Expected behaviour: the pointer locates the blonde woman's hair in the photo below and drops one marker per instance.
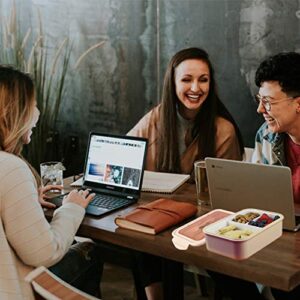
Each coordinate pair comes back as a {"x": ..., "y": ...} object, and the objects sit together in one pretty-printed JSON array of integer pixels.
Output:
[{"x": 17, "y": 103}]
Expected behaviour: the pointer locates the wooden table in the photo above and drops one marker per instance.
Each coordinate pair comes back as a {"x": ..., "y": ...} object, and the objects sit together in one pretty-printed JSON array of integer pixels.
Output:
[{"x": 277, "y": 265}]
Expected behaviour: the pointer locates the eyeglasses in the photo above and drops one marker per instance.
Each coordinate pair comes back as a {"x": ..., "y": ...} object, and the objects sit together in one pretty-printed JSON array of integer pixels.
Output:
[{"x": 267, "y": 101}]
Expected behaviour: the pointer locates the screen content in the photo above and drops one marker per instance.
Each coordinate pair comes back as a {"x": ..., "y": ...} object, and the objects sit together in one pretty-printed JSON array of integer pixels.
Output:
[{"x": 115, "y": 161}]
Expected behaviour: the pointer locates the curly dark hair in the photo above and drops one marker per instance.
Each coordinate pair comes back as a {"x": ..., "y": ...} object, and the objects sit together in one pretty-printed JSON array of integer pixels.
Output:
[{"x": 284, "y": 68}]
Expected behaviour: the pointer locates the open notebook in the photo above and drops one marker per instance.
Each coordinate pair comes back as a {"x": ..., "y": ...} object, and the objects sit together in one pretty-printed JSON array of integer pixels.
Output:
[
  {"x": 157, "y": 182},
  {"x": 163, "y": 182}
]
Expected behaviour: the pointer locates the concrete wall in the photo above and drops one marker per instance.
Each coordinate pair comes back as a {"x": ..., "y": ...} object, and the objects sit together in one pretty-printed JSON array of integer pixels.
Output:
[{"x": 119, "y": 82}]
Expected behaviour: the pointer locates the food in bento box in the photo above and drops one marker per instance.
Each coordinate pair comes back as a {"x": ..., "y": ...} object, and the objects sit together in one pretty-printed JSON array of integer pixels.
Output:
[
  {"x": 246, "y": 217},
  {"x": 264, "y": 220},
  {"x": 231, "y": 231}
]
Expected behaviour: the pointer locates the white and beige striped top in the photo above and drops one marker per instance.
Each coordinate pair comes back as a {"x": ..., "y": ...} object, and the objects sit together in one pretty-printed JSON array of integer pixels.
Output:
[{"x": 27, "y": 240}]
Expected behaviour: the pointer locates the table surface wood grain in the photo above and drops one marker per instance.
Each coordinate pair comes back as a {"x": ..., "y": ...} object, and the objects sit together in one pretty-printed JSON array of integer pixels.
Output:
[{"x": 277, "y": 265}]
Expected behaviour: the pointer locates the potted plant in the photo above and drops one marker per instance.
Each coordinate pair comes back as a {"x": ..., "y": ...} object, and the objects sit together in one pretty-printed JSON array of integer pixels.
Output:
[{"x": 29, "y": 53}]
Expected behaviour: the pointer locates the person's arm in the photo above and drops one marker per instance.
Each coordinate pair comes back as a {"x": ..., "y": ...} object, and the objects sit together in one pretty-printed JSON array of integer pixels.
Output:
[
  {"x": 35, "y": 241},
  {"x": 227, "y": 144}
]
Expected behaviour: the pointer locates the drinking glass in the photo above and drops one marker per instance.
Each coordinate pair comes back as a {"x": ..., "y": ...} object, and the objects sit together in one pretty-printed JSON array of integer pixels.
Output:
[
  {"x": 52, "y": 173},
  {"x": 201, "y": 183}
]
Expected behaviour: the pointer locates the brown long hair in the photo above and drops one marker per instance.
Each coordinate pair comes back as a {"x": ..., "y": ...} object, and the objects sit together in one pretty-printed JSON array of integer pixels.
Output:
[
  {"x": 17, "y": 102},
  {"x": 204, "y": 125}
]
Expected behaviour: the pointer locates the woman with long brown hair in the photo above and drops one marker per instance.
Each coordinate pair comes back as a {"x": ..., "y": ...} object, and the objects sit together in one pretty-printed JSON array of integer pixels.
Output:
[
  {"x": 189, "y": 124},
  {"x": 27, "y": 240}
]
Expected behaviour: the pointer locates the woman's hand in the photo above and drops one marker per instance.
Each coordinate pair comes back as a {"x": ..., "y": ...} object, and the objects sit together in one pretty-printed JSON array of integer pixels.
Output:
[
  {"x": 43, "y": 197},
  {"x": 82, "y": 198}
]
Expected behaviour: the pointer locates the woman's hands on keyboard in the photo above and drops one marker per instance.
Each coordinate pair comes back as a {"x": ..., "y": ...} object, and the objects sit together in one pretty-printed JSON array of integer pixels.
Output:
[{"x": 82, "y": 198}]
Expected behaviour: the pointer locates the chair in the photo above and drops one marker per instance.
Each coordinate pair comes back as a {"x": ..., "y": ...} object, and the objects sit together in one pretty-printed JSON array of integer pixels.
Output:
[{"x": 47, "y": 286}]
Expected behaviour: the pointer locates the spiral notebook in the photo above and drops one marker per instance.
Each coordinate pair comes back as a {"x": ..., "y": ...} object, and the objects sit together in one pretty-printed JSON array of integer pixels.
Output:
[{"x": 157, "y": 182}]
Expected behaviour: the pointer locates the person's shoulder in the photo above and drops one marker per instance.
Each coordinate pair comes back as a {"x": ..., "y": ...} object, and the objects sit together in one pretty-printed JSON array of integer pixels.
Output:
[
  {"x": 146, "y": 123},
  {"x": 154, "y": 113},
  {"x": 13, "y": 167},
  {"x": 224, "y": 125},
  {"x": 10, "y": 160}
]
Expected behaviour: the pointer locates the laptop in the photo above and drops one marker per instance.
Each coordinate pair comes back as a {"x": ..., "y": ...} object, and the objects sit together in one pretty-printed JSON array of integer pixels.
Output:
[
  {"x": 235, "y": 185},
  {"x": 113, "y": 169}
]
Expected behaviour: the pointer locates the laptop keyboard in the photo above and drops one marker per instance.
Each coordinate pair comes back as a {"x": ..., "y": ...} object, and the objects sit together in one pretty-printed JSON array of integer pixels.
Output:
[{"x": 109, "y": 202}]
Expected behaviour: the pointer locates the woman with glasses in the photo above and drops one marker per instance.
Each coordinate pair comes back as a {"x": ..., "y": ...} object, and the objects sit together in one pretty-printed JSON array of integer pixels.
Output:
[
  {"x": 277, "y": 142},
  {"x": 189, "y": 124},
  {"x": 27, "y": 239}
]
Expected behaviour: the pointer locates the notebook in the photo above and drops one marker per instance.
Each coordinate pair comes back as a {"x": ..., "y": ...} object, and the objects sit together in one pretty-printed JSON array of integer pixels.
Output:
[
  {"x": 156, "y": 182},
  {"x": 159, "y": 182},
  {"x": 113, "y": 169},
  {"x": 235, "y": 185}
]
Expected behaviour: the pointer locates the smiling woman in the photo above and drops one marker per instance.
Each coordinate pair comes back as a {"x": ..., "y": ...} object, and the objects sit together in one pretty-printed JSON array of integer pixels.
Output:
[
  {"x": 190, "y": 124},
  {"x": 277, "y": 142},
  {"x": 192, "y": 86}
]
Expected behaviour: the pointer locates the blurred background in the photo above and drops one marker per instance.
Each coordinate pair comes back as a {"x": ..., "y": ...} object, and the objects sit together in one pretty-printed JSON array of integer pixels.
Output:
[{"x": 117, "y": 82}]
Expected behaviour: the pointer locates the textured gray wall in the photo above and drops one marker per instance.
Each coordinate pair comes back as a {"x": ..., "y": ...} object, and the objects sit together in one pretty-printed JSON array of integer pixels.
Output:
[{"x": 121, "y": 81}]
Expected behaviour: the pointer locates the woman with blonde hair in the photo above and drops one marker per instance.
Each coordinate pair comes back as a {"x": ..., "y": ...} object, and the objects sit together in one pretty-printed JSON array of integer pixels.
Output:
[{"x": 27, "y": 240}]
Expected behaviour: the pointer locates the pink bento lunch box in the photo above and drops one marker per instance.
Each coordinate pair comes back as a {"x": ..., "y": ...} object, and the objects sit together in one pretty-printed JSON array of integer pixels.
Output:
[{"x": 242, "y": 248}]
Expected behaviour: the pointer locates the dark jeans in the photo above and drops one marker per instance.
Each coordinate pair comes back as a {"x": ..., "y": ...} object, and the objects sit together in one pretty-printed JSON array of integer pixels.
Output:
[
  {"x": 292, "y": 295},
  {"x": 235, "y": 288},
  {"x": 238, "y": 289},
  {"x": 149, "y": 269},
  {"x": 81, "y": 267}
]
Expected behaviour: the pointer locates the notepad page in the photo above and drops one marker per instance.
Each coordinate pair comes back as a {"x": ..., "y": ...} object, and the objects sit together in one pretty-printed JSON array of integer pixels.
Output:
[{"x": 163, "y": 182}]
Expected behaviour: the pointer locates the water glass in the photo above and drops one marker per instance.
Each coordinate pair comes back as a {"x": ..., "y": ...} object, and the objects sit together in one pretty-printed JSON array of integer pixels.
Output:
[
  {"x": 52, "y": 173},
  {"x": 201, "y": 183}
]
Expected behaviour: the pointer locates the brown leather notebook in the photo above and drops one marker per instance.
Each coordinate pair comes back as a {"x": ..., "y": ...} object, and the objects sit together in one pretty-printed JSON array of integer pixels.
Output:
[{"x": 156, "y": 216}]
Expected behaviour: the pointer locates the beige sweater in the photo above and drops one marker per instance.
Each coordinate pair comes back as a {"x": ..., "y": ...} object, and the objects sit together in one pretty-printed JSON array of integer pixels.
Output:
[
  {"x": 227, "y": 145},
  {"x": 27, "y": 240}
]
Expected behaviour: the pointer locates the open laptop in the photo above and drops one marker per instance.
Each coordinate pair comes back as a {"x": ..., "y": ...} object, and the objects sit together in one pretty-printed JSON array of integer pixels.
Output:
[
  {"x": 113, "y": 169},
  {"x": 235, "y": 185}
]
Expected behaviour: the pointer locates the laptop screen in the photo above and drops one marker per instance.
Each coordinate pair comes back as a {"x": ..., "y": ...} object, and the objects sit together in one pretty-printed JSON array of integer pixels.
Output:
[{"x": 115, "y": 162}]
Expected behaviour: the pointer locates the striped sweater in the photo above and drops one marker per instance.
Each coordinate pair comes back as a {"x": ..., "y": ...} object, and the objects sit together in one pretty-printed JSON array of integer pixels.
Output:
[{"x": 27, "y": 240}]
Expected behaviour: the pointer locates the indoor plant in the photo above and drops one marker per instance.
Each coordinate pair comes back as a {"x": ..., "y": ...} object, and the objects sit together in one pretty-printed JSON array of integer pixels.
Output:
[{"x": 28, "y": 52}]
